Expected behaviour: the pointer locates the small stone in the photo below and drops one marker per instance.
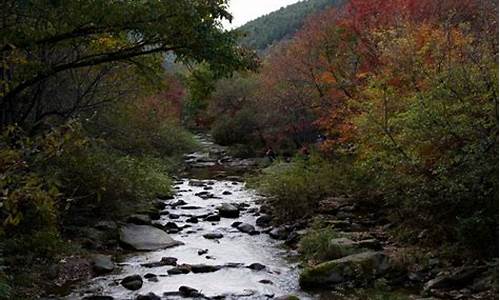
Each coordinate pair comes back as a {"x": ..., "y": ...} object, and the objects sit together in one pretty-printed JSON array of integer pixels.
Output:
[
  {"x": 212, "y": 218},
  {"x": 256, "y": 267},
  {"x": 202, "y": 251},
  {"x": 149, "y": 296},
  {"x": 227, "y": 210},
  {"x": 236, "y": 224},
  {"x": 186, "y": 291},
  {"x": 213, "y": 235},
  {"x": 266, "y": 281},
  {"x": 181, "y": 269},
  {"x": 200, "y": 268},
  {"x": 246, "y": 228},
  {"x": 193, "y": 220}
]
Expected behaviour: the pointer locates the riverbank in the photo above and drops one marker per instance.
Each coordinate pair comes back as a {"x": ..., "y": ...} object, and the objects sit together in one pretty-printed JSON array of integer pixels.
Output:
[{"x": 221, "y": 240}]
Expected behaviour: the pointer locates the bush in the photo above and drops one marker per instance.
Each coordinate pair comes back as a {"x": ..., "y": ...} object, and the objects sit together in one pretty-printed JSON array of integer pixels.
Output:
[
  {"x": 296, "y": 187},
  {"x": 316, "y": 245},
  {"x": 132, "y": 130},
  {"x": 238, "y": 129},
  {"x": 109, "y": 181}
]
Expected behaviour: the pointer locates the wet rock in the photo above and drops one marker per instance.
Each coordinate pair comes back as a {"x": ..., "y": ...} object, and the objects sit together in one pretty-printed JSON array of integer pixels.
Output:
[
  {"x": 98, "y": 297},
  {"x": 213, "y": 235},
  {"x": 188, "y": 292},
  {"x": 149, "y": 296},
  {"x": 360, "y": 267},
  {"x": 190, "y": 207},
  {"x": 459, "y": 278},
  {"x": 151, "y": 277},
  {"x": 197, "y": 183},
  {"x": 171, "y": 225},
  {"x": 246, "y": 228},
  {"x": 266, "y": 281},
  {"x": 227, "y": 193},
  {"x": 233, "y": 265},
  {"x": 174, "y": 216},
  {"x": 264, "y": 221},
  {"x": 227, "y": 210},
  {"x": 256, "y": 267},
  {"x": 202, "y": 251},
  {"x": 204, "y": 195},
  {"x": 133, "y": 282},
  {"x": 165, "y": 261},
  {"x": 139, "y": 219},
  {"x": 178, "y": 203},
  {"x": 180, "y": 269},
  {"x": 279, "y": 233},
  {"x": 193, "y": 220},
  {"x": 145, "y": 238},
  {"x": 208, "y": 188},
  {"x": 212, "y": 218},
  {"x": 102, "y": 264},
  {"x": 236, "y": 224},
  {"x": 201, "y": 268}
]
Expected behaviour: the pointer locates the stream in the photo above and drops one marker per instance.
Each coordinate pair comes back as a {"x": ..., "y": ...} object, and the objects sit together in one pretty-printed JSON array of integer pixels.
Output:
[{"x": 204, "y": 187}]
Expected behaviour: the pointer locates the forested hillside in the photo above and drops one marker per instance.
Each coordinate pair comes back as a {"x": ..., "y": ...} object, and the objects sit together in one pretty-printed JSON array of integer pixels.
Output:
[
  {"x": 364, "y": 142},
  {"x": 280, "y": 24}
]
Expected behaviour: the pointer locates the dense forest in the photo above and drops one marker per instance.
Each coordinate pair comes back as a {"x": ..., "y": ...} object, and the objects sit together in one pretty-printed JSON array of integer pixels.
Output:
[
  {"x": 386, "y": 109},
  {"x": 278, "y": 25}
]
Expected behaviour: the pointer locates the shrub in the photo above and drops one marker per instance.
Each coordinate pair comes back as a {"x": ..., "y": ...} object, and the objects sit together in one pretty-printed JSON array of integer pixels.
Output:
[
  {"x": 109, "y": 181},
  {"x": 238, "y": 129},
  {"x": 316, "y": 245},
  {"x": 296, "y": 188}
]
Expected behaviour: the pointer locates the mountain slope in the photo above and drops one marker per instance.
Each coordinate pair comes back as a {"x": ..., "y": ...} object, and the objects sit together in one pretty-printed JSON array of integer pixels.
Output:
[{"x": 280, "y": 24}]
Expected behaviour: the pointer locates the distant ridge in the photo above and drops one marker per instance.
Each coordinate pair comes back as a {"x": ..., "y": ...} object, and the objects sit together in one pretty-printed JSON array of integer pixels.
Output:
[{"x": 281, "y": 24}]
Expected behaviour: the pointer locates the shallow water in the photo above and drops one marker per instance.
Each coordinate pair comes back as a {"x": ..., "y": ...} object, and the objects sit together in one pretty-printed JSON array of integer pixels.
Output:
[{"x": 234, "y": 248}]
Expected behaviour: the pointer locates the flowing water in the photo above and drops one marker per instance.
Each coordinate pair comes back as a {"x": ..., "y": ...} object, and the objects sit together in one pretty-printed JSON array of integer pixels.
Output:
[{"x": 235, "y": 250}]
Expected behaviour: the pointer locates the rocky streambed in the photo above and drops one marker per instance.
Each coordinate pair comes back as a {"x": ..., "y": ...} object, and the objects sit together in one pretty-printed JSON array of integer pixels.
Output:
[
  {"x": 214, "y": 239},
  {"x": 209, "y": 241}
]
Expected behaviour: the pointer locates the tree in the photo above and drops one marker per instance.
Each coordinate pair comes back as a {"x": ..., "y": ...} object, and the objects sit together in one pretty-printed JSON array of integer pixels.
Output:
[{"x": 44, "y": 40}]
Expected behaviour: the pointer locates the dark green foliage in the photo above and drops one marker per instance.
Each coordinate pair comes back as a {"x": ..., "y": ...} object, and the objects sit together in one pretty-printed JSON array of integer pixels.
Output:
[
  {"x": 317, "y": 246},
  {"x": 238, "y": 129},
  {"x": 297, "y": 187},
  {"x": 278, "y": 25}
]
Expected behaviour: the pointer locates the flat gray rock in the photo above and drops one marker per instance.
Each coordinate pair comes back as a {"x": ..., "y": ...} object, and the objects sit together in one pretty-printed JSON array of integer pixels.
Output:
[{"x": 146, "y": 238}]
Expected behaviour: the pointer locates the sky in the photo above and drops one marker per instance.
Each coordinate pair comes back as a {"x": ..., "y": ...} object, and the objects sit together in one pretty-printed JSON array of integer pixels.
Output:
[{"x": 247, "y": 10}]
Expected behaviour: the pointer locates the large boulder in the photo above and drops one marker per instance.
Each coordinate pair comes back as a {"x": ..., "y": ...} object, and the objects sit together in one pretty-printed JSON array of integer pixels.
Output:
[
  {"x": 227, "y": 210},
  {"x": 102, "y": 264},
  {"x": 359, "y": 268},
  {"x": 145, "y": 238}
]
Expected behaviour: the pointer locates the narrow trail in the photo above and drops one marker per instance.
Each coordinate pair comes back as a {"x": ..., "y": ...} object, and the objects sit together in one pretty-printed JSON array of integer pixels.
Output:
[{"x": 218, "y": 259}]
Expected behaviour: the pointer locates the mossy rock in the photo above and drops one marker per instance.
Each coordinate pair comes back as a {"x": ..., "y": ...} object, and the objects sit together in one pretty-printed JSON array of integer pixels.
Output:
[{"x": 358, "y": 268}]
